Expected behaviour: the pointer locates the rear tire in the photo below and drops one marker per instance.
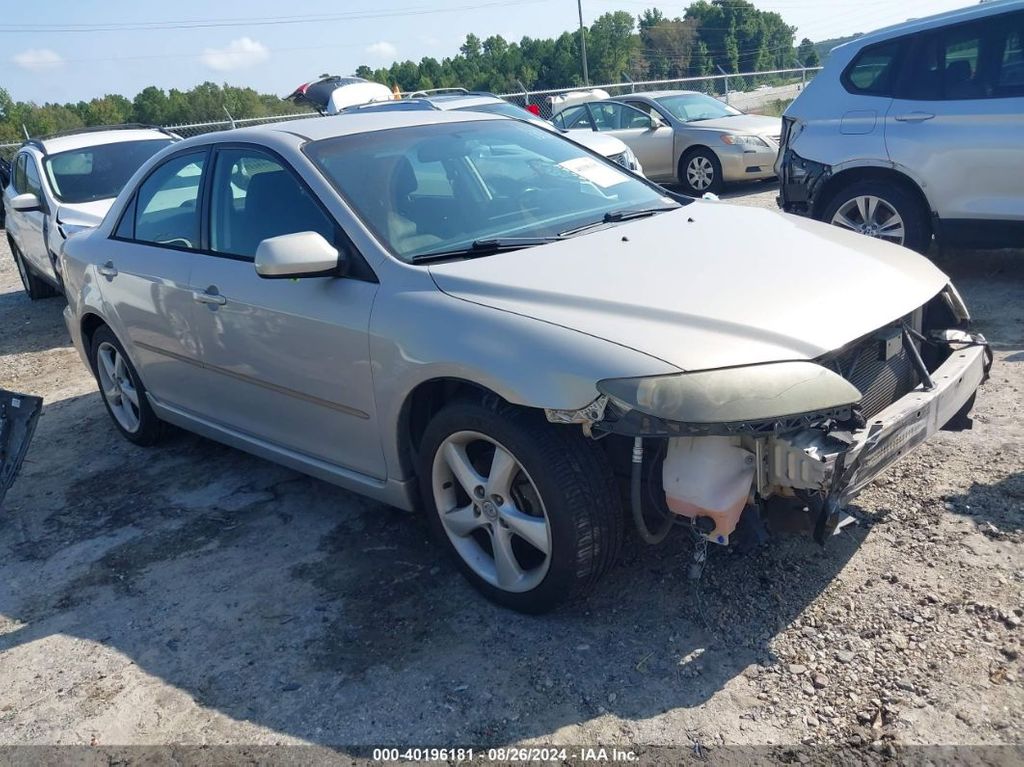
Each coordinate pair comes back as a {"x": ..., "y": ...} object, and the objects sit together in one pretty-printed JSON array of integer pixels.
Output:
[
  {"x": 35, "y": 286},
  {"x": 548, "y": 481},
  {"x": 879, "y": 209},
  {"x": 123, "y": 392}
]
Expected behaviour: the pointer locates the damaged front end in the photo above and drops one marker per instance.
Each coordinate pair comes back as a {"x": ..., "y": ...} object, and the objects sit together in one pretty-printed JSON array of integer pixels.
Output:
[
  {"x": 18, "y": 416},
  {"x": 789, "y": 438}
]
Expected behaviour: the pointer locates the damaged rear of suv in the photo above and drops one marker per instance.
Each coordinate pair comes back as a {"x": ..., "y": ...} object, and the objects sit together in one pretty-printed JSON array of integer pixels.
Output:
[{"x": 914, "y": 131}]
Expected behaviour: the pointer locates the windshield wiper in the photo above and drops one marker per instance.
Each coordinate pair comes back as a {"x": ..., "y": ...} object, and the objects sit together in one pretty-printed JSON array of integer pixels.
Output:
[
  {"x": 616, "y": 216},
  {"x": 485, "y": 248}
]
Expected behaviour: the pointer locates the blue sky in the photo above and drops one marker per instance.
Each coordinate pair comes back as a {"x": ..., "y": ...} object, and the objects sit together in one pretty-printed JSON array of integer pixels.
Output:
[{"x": 274, "y": 46}]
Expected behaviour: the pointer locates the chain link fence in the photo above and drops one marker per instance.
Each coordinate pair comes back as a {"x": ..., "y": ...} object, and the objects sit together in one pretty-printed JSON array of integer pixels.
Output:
[
  {"x": 197, "y": 129},
  {"x": 786, "y": 84}
]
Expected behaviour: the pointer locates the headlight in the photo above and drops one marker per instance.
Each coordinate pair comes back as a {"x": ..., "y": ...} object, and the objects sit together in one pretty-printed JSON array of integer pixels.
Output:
[
  {"x": 730, "y": 395},
  {"x": 626, "y": 159},
  {"x": 69, "y": 229},
  {"x": 729, "y": 138}
]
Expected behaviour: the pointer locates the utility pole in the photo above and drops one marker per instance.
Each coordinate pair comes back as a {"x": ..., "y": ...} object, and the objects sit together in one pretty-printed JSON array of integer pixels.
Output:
[{"x": 583, "y": 44}]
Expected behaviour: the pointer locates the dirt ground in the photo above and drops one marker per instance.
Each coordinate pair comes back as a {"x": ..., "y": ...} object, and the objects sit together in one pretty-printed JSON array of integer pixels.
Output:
[{"x": 190, "y": 593}]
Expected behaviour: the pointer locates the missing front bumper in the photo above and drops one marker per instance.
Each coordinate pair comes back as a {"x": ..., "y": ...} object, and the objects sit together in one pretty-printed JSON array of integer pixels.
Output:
[
  {"x": 817, "y": 469},
  {"x": 18, "y": 416},
  {"x": 834, "y": 467}
]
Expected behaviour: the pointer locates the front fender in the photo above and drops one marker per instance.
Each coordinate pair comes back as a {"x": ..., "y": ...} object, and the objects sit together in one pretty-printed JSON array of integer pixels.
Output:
[{"x": 431, "y": 335}]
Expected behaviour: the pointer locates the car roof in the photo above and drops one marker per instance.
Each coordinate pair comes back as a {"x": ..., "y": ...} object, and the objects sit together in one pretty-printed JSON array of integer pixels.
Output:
[
  {"x": 978, "y": 11},
  {"x": 342, "y": 124},
  {"x": 459, "y": 100},
  {"x": 657, "y": 94},
  {"x": 89, "y": 138}
]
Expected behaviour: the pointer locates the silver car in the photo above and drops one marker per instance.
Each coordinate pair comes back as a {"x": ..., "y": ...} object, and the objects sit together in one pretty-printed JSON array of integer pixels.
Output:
[
  {"x": 684, "y": 137},
  {"x": 476, "y": 316},
  {"x": 916, "y": 130},
  {"x": 63, "y": 184}
]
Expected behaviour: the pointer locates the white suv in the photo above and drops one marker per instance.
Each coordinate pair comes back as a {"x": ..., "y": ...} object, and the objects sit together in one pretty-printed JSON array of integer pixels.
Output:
[
  {"x": 916, "y": 130},
  {"x": 66, "y": 183}
]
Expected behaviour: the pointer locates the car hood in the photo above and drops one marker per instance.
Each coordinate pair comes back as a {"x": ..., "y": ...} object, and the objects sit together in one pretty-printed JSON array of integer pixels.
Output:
[
  {"x": 758, "y": 125},
  {"x": 606, "y": 146},
  {"x": 708, "y": 286},
  {"x": 84, "y": 213}
]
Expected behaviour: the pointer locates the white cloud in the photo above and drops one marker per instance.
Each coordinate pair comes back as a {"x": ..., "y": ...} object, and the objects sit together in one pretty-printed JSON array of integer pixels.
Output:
[
  {"x": 382, "y": 50},
  {"x": 238, "y": 54},
  {"x": 38, "y": 60}
]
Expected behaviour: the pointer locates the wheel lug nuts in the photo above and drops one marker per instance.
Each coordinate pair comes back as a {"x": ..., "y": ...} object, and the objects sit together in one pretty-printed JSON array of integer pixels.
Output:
[{"x": 478, "y": 491}]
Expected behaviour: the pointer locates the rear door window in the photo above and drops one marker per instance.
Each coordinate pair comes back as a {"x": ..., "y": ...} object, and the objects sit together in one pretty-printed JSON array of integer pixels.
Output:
[
  {"x": 167, "y": 204},
  {"x": 979, "y": 60},
  {"x": 1010, "y": 78},
  {"x": 573, "y": 117}
]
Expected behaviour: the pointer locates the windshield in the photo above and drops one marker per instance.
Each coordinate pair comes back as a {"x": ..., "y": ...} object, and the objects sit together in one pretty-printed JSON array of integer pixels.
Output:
[
  {"x": 692, "y": 107},
  {"x": 98, "y": 172},
  {"x": 441, "y": 187}
]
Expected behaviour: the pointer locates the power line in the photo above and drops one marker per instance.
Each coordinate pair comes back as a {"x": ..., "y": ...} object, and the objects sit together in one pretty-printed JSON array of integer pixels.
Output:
[{"x": 255, "y": 22}]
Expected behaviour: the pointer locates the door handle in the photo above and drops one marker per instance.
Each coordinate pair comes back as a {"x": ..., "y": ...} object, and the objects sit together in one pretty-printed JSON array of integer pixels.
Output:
[
  {"x": 108, "y": 270},
  {"x": 914, "y": 117},
  {"x": 209, "y": 296}
]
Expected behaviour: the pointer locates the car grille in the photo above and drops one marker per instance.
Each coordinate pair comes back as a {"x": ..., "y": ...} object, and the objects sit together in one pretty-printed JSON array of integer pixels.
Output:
[{"x": 881, "y": 381}]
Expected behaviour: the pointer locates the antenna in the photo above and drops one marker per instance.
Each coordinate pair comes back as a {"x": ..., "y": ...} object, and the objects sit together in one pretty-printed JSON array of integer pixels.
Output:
[{"x": 25, "y": 131}]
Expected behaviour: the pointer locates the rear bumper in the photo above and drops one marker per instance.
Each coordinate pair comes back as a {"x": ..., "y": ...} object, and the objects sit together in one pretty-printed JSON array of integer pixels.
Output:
[{"x": 800, "y": 182}]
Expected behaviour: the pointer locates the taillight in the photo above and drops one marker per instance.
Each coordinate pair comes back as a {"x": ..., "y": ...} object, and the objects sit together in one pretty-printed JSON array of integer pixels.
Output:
[{"x": 533, "y": 109}]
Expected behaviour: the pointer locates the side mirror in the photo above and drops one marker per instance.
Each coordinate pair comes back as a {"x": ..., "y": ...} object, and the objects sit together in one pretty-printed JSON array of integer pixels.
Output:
[
  {"x": 303, "y": 254},
  {"x": 26, "y": 203},
  {"x": 657, "y": 122}
]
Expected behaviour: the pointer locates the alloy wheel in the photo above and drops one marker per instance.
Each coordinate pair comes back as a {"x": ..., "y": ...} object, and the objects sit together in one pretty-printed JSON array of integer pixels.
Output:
[
  {"x": 117, "y": 386},
  {"x": 871, "y": 216},
  {"x": 491, "y": 511},
  {"x": 700, "y": 173}
]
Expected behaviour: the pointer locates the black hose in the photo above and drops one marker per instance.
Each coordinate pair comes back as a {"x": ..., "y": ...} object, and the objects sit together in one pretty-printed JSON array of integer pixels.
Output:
[{"x": 636, "y": 499}]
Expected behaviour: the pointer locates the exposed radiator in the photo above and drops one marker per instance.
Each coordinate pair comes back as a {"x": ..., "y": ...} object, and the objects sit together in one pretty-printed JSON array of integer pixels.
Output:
[{"x": 882, "y": 381}]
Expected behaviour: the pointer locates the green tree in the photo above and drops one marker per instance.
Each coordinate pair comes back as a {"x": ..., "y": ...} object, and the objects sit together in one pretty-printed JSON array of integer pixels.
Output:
[
  {"x": 610, "y": 46},
  {"x": 807, "y": 54}
]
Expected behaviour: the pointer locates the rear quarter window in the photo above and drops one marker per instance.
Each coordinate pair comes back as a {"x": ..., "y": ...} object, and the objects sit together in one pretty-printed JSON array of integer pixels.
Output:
[{"x": 873, "y": 71}]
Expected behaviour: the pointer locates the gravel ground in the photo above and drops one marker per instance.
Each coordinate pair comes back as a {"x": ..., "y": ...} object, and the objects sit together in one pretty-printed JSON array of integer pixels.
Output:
[{"x": 193, "y": 594}]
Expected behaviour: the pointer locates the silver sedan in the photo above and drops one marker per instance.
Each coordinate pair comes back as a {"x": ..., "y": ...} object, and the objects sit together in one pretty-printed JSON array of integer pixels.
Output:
[
  {"x": 684, "y": 137},
  {"x": 478, "y": 317}
]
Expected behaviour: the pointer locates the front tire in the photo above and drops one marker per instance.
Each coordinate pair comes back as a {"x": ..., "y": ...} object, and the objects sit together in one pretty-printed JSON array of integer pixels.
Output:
[
  {"x": 35, "y": 286},
  {"x": 700, "y": 172},
  {"x": 123, "y": 392},
  {"x": 528, "y": 509},
  {"x": 884, "y": 211}
]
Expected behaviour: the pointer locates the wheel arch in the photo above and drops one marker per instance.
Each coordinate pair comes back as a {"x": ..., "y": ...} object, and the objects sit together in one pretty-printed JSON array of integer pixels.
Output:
[
  {"x": 851, "y": 175},
  {"x": 425, "y": 401},
  {"x": 89, "y": 324},
  {"x": 689, "y": 152}
]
